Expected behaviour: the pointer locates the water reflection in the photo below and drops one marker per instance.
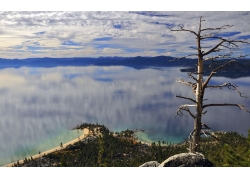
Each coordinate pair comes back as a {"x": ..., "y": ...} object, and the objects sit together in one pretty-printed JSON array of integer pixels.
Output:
[{"x": 37, "y": 104}]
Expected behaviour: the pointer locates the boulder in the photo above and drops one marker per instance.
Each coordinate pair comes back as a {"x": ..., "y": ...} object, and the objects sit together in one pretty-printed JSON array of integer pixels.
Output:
[
  {"x": 187, "y": 160},
  {"x": 150, "y": 164}
]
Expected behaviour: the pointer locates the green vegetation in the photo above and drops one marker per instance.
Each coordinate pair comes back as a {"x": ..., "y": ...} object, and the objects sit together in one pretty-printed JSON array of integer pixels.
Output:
[
  {"x": 231, "y": 150},
  {"x": 120, "y": 149}
]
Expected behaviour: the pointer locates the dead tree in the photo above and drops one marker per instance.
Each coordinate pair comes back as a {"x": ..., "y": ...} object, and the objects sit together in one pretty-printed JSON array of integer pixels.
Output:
[{"x": 224, "y": 49}]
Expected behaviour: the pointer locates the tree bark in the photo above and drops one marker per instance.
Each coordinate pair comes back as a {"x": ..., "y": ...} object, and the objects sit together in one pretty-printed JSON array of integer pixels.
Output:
[
  {"x": 197, "y": 120},
  {"x": 199, "y": 98}
]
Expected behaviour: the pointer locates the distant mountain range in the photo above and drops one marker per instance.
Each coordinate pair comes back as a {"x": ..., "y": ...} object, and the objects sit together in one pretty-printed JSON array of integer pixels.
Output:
[
  {"x": 240, "y": 68},
  {"x": 187, "y": 64},
  {"x": 136, "y": 62}
]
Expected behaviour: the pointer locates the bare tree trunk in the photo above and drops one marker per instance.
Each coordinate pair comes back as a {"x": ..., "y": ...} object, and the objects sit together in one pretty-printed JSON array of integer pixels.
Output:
[
  {"x": 198, "y": 86},
  {"x": 197, "y": 120},
  {"x": 199, "y": 98}
]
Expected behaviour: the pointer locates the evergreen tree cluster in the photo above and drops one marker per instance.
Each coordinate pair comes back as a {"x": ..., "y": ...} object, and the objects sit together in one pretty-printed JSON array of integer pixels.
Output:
[
  {"x": 108, "y": 149},
  {"x": 229, "y": 150}
]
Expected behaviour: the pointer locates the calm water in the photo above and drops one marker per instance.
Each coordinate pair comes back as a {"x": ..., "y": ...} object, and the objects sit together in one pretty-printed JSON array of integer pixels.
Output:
[{"x": 40, "y": 106}]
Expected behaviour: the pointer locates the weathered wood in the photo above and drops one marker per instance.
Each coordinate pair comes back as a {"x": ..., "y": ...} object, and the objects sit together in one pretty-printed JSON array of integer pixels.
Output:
[{"x": 199, "y": 86}]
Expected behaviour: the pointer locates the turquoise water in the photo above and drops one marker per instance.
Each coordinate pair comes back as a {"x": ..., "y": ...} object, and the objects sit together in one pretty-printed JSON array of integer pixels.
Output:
[
  {"x": 156, "y": 137},
  {"x": 44, "y": 144}
]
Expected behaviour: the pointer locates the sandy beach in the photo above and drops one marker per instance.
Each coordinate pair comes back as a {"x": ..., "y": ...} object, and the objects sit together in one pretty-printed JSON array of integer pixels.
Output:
[{"x": 85, "y": 132}]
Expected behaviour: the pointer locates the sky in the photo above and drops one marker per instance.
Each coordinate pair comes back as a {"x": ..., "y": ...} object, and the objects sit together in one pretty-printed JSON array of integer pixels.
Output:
[{"x": 94, "y": 33}]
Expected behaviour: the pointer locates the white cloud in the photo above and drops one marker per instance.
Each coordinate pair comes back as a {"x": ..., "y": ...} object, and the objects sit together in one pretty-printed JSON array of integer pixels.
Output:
[{"x": 142, "y": 31}]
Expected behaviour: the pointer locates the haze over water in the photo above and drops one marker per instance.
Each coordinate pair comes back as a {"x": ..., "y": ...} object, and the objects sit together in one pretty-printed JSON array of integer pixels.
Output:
[{"x": 40, "y": 106}]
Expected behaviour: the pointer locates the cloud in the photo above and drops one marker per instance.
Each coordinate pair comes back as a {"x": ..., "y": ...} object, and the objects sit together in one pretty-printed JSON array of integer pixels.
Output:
[
  {"x": 144, "y": 31},
  {"x": 152, "y": 14},
  {"x": 38, "y": 33},
  {"x": 227, "y": 34},
  {"x": 103, "y": 39},
  {"x": 244, "y": 37},
  {"x": 169, "y": 25},
  {"x": 71, "y": 43}
]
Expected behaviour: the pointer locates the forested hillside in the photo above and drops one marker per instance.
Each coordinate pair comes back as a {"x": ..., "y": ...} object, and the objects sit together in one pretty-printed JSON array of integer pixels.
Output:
[{"x": 120, "y": 149}]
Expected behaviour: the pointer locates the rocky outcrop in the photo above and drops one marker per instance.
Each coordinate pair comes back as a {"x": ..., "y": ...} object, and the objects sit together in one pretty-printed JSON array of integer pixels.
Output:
[
  {"x": 182, "y": 160},
  {"x": 88, "y": 139},
  {"x": 150, "y": 164},
  {"x": 187, "y": 160}
]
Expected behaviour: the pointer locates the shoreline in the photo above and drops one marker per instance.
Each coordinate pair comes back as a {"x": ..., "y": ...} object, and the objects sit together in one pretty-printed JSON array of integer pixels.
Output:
[{"x": 85, "y": 133}]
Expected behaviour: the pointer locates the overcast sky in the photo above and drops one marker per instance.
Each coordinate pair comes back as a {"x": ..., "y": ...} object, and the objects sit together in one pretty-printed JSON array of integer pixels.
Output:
[{"x": 26, "y": 34}]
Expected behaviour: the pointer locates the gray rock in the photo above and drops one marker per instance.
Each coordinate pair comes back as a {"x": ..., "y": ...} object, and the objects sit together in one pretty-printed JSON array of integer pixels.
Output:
[
  {"x": 187, "y": 160},
  {"x": 89, "y": 138},
  {"x": 150, "y": 164}
]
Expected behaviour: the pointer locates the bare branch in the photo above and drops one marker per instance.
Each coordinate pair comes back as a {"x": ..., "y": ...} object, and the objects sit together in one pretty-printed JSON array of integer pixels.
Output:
[
  {"x": 178, "y": 58},
  {"x": 212, "y": 37},
  {"x": 212, "y": 50},
  {"x": 180, "y": 113},
  {"x": 189, "y": 84},
  {"x": 184, "y": 107},
  {"x": 182, "y": 29},
  {"x": 218, "y": 50},
  {"x": 214, "y": 58},
  {"x": 203, "y": 113},
  {"x": 229, "y": 86},
  {"x": 228, "y": 56},
  {"x": 191, "y": 135},
  {"x": 238, "y": 105},
  {"x": 217, "y": 57},
  {"x": 199, "y": 31},
  {"x": 216, "y": 138},
  {"x": 220, "y": 28},
  {"x": 226, "y": 46},
  {"x": 204, "y": 36},
  {"x": 193, "y": 47},
  {"x": 206, "y": 127},
  {"x": 223, "y": 40},
  {"x": 214, "y": 71},
  {"x": 205, "y": 47},
  {"x": 187, "y": 98},
  {"x": 241, "y": 56},
  {"x": 191, "y": 76},
  {"x": 204, "y": 132}
]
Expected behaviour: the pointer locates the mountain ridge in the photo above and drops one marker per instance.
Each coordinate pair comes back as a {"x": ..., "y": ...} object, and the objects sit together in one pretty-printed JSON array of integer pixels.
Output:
[
  {"x": 132, "y": 61},
  {"x": 234, "y": 70}
]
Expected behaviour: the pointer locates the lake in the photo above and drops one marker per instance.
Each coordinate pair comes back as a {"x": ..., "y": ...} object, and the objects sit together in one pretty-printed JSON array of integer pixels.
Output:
[{"x": 40, "y": 106}]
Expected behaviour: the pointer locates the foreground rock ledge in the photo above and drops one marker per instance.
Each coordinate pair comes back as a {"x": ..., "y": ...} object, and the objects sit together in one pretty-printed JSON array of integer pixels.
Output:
[
  {"x": 150, "y": 164},
  {"x": 182, "y": 160}
]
